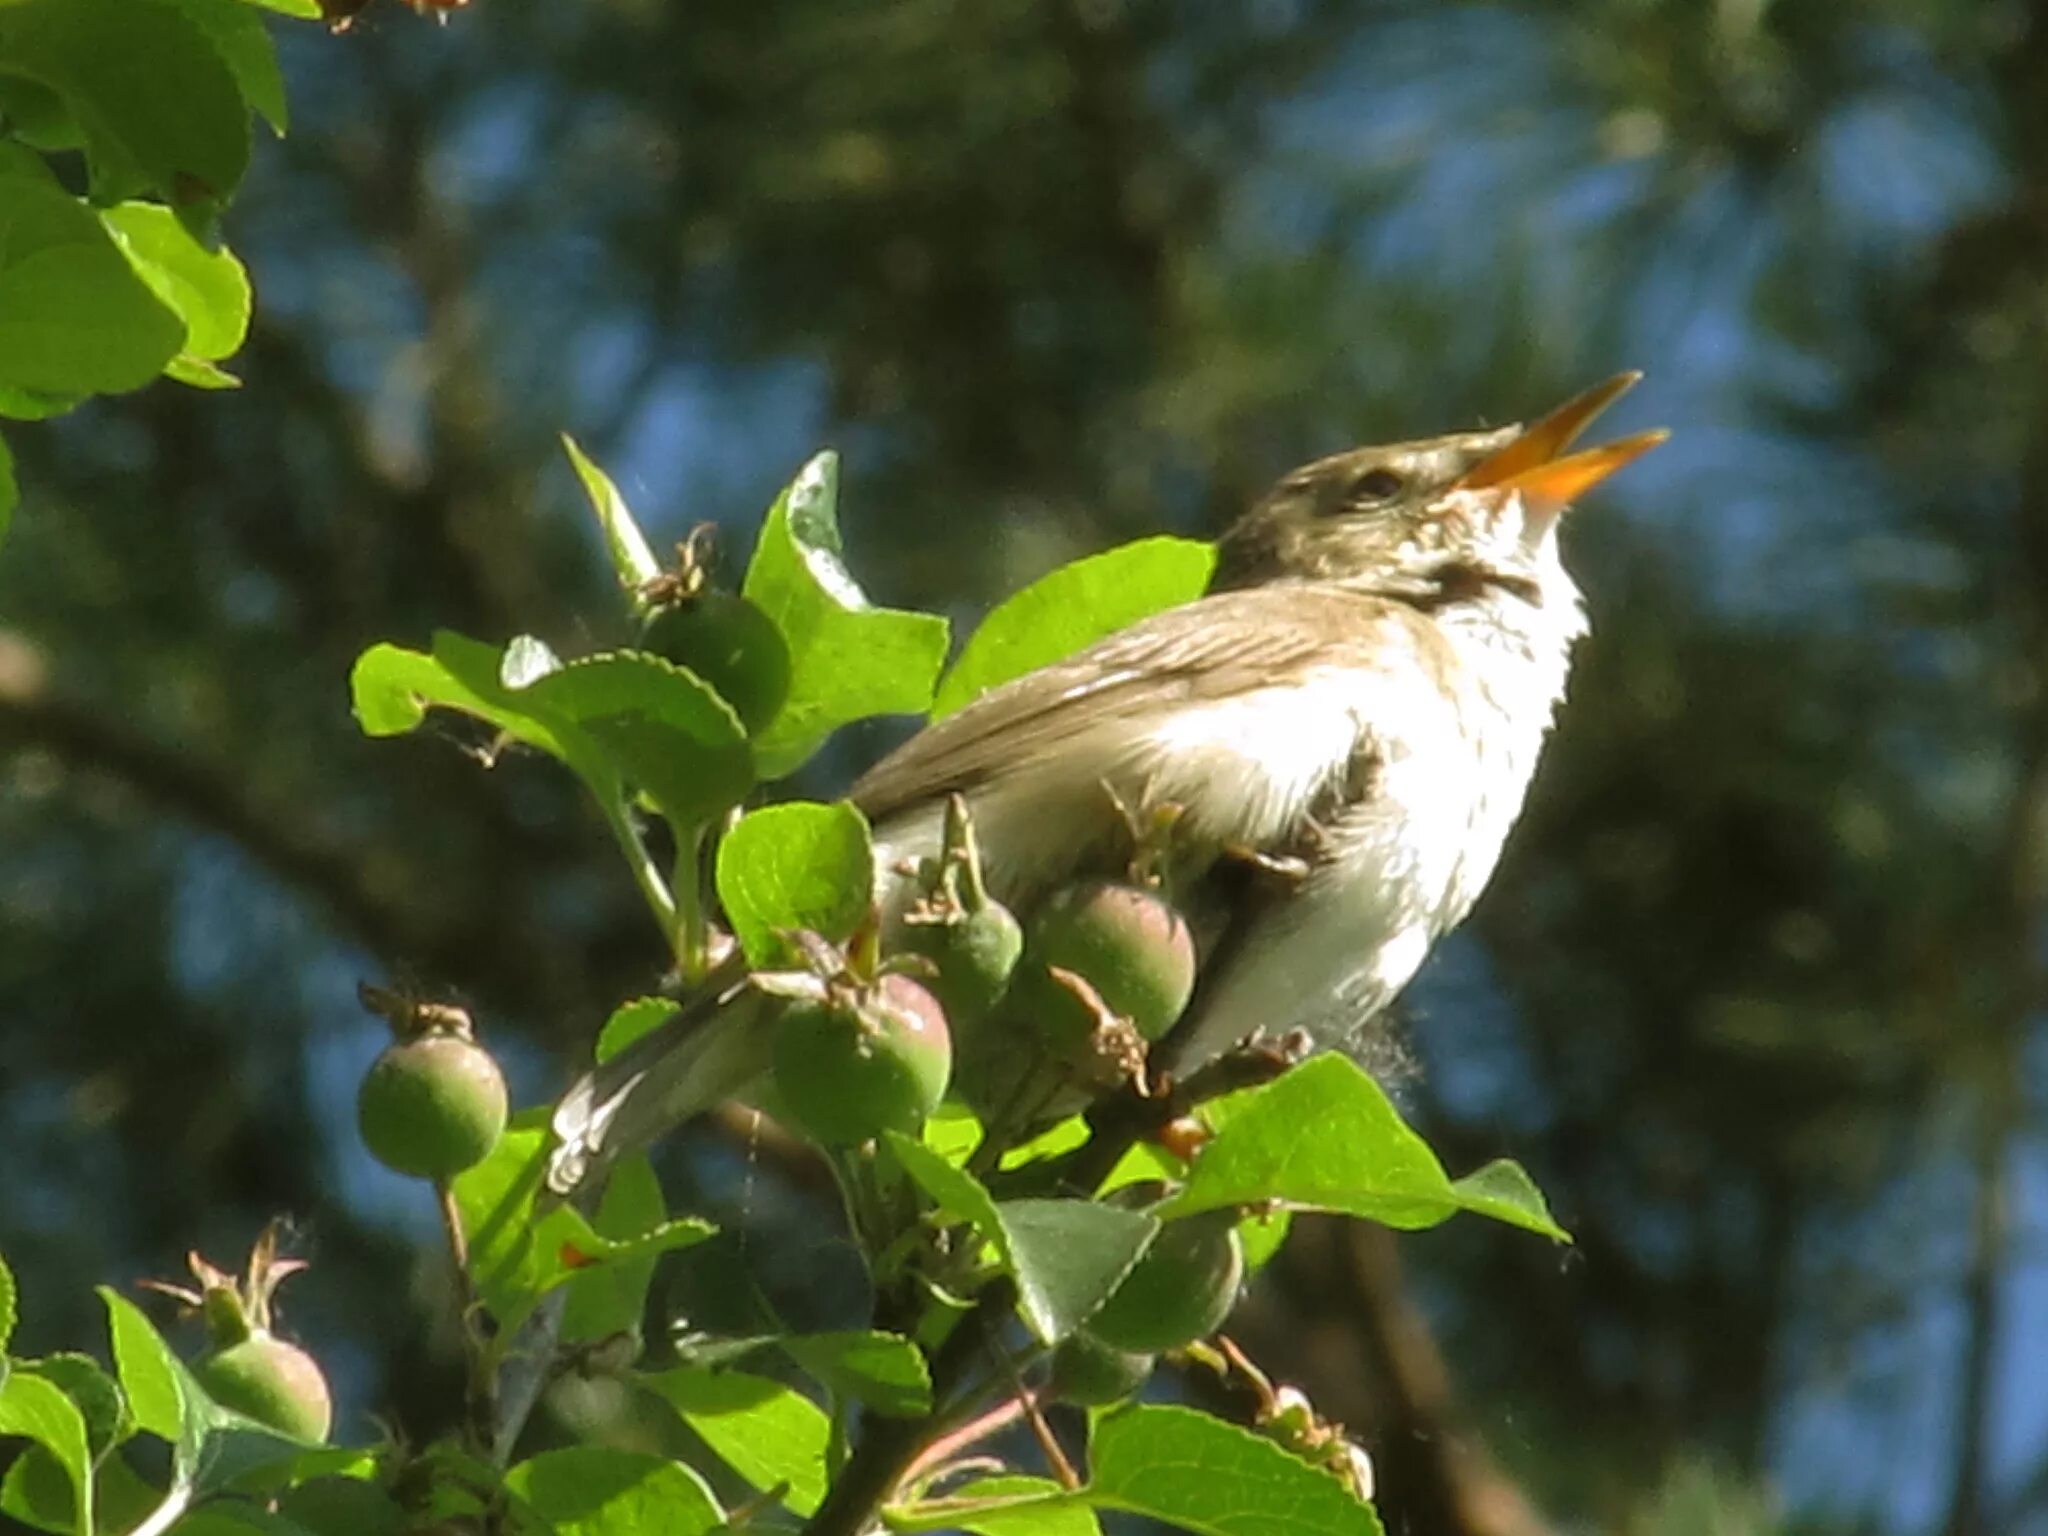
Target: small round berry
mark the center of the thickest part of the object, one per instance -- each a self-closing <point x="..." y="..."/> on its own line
<point x="1181" y="1289"/>
<point x="847" y="1071"/>
<point x="1092" y="1374"/>
<point x="432" y="1106"/>
<point x="1125" y="941"/>
<point x="272" y="1382"/>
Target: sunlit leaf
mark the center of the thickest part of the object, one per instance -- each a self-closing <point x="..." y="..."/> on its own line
<point x="74" y="316"/>
<point x="796" y="866"/>
<point x="1073" y="607"/>
<point x="1201" y="1474"/>
<point x="767" y="1433"/>
<point x="159" y="105"/>
<point x="36" y="1409"/>
<point x="207" y="290"/>
<point x="886" y="1372"/>
<point x="632" y="557"/>
<point x="1326" y="1137"/>
<point x="593" y="1490"/>
<point x="517" y="1253"/>
<point x="848" y="659"/>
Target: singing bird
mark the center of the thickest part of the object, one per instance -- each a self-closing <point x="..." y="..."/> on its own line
<point x="1353" y="712"/>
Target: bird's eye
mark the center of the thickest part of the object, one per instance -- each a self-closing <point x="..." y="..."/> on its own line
<point x="1376" y="485"/>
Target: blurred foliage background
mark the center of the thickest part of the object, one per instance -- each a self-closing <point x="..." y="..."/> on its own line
<point x="1757" y="995"/>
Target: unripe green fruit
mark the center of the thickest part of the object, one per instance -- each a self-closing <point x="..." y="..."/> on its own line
<point x="974" y="954"/>
<point x="732" y="645"/>
<point x="432" y="1106"/>
<point x="273" y="1382"/>
<point x="1182" y="1288"/>
<point x="1127" y="942"/>
<point x="848" y="1073"/>
<point x="1090" y="1373"/>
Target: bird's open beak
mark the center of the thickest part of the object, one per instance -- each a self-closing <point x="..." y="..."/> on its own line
<point x="1536" y="466"/>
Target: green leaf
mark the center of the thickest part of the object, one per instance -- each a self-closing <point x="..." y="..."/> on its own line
<point x="764" y="1431"/>
<point x="632" y="557"/>
<point x="800" y="865"/>
<point x="38" y="1491"/>
<point x="518" y="1254"/>
<point x="1067" y="1256"/>
<point x="159" y="105"/>
<point x="208" y="290"/>
<point x="1325" y="1137"/>
<point x="194" y="374"/>
<point x="1001" y="1506"/>
<point x="1073" y="607"/>
<point x="610" y="1298"/>
<point x="151" y="1377"/>
<point x="958" y="1195"/>
<point x="307" y="10"/>
<point x="848" y="660"/>
<point x="629" y="1021"/>
<point x="344" y="1506"/>
<point x="883" y="1370"/>
<point x="81" y="1378"/>
<point x="10" y="1296"/>
<point x="592" y="1490"/>
<point x="665" y="729"/>
<point x="36" y="1409"/>
<point x="1203" y="1475"/>
<point x="74" y="316"/>
<point x="243" y="42"/>
<point x="392" y="688"/>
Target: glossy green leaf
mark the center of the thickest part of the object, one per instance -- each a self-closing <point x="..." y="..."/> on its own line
<point x="38" y="1492"/>
<point x="666" y="730"/>
<point x="305" y="10"/>
<point x="243" y="42"/>
<point x="207" y="290"/>
<point x="152" y="1379"/>
<point x="10" y="1295"/>
<point x="392" y="689"/>
<point x="766" y="1432"/>
<point x="517" y="1253"/>
<point x="1200" y="1474"/>
<point x="885" y="1371"/>
<point x="1073" y="607"/>
<point x="632" y="557"/>
<point x="593" y="1490"/>
<point x="957" y="1194"/>
<point x="1001" y="1506"/>
<point x="159" y="105"/>
<point x="1325" y="1137"/>
<point x="36" y="1409"/>
<point x="1067" y="1256"/>
<point x="848" y="659"/>
<point x="799" y="865"/>
<point x="98" y="1400"/>
<point x="629" y="1021"/>
<point x="74" y="316"/>
<point x="610" y="1298"/>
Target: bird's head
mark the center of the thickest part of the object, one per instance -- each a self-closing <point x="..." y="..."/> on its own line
<point x="1437" y="519"/>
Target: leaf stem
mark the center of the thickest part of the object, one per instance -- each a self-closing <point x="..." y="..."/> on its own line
<point x="660" y="900"/>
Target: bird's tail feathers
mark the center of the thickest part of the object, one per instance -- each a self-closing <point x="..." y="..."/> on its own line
<point x="702" y="1055"/>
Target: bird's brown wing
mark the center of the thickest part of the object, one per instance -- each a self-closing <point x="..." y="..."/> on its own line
<point x="1214" y="647"/>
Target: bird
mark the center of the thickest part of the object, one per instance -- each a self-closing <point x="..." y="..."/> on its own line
<point x="1343" y="729"/>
